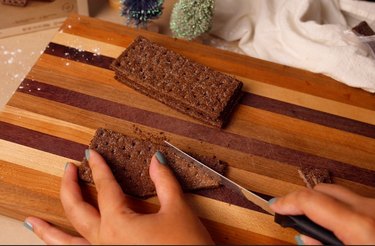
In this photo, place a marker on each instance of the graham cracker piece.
(364, 30)
(18, 3)
(129, 159)
(182, 84)
(313, 176)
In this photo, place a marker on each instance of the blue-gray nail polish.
(161, 158)
(298, 240)
(87, 154)
(272, 201)
(66, 165)
(28, 225)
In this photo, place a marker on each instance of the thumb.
(167, 187)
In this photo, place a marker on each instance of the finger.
(338, 192)
(167, 187)
(50, 234)
(110, 194)
(84, 217)
(305, 240)
(325, 211)
(357, 202)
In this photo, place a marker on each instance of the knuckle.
(321, 186)
(94, 167)
(41, 232)
(103, 182)
(368, 222)
(66, 201)
(84, 227)
(305, 194)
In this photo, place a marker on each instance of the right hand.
(349, 216)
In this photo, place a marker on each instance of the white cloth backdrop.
(308, 34)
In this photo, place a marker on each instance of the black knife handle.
(305, 226)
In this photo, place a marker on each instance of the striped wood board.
(287, 118)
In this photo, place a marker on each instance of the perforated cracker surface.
(129, 160)
(197, 90)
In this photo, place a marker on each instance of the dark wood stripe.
(75, 151)
(252, 100)
(41, 141)
(77, 55)
(196, 131)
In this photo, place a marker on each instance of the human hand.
(115, 222)
(349, 216)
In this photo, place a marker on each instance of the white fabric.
(307, 34)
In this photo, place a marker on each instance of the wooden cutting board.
(288, 118)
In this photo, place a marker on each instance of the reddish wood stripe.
(73, 150)
(196, 131)
(41, 141)
(252, 100)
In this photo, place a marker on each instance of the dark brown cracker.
(364, 30)
(19, 3)
(313, 176)
(129, 160)
(189, 87)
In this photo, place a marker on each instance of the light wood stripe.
(32, 158)
(260, 183)
(47, 125)
(82, 43)
(239, 217)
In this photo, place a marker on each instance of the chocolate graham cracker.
(364, 30)
(129, 159)
(313, 176)
(187, 86)
(18, 3)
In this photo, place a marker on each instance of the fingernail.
(66, 166)
(87, 154)
(28, 225)
(298, 240)
(161, 158)
(272, 201)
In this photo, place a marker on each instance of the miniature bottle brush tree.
(191, 18)
(139, 12)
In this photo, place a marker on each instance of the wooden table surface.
(288, 118)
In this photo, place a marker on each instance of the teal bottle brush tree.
(191, 18)
(139, 12)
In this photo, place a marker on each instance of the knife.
(300, 223)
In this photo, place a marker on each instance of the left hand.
(115, 222)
